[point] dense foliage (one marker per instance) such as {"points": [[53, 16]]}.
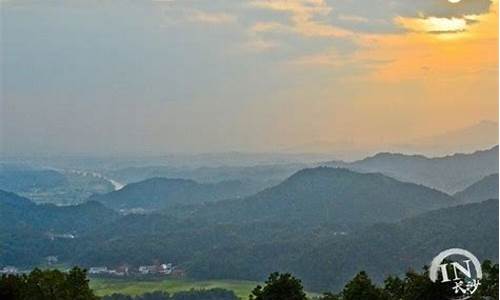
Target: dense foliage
{"points": [[57, 285], [27, 229], [414, 286], [47, 285], [325, 255], [279, 286], [210, 294]]}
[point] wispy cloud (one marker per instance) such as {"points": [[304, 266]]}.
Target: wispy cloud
{"points": [[260, 27], [353, 18], [210, 17], [258, 44], [304, 16]]}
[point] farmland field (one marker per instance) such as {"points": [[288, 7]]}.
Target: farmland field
{"points": [[104, 287]]}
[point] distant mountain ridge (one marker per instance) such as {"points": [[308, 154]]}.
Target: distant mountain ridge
{"points": [[51, 185], [21, 180], [481, 135], [449, 173], [486, 188], [157, 193]]}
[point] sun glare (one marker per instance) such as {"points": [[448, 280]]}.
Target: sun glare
{"points": [[434, 24]]}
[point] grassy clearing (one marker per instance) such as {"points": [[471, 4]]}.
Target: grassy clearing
{"points": [[137, 287]]}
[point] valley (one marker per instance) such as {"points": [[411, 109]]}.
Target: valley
{"points": [[323, 223]]}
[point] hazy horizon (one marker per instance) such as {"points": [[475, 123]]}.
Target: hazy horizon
{"points": [[314, 151]]}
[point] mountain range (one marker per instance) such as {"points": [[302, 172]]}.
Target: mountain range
{"points": [[324, 224], [333, 195], [480, 135], [449, 174]]}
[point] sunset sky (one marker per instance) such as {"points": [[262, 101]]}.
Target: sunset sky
{"points": [[138, 76]]}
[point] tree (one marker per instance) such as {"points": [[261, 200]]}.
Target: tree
{"points": [[361, 287], [420, 287], [77, 284], [11, 286], [280, 287], [414, 286], [47, 285], [394, 288], [489, 282]]}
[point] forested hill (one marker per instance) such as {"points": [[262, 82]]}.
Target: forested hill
{"points": [[331, 195], [29, 232], [18, 179], [486, 188], [157, 193], [326, 262], [16, 212]]}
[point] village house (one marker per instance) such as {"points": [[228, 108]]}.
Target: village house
{"points": [[147, 269], [98, 270], [123, 270], [162, 269]]}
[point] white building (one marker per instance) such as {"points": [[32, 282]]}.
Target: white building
{"points": [[98, 270]]}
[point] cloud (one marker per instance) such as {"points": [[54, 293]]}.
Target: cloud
{"points": [[263, 27], [433, 24], [377, 16], [209, 17], [445, 9], [327, 59], [444, 17], [353, 18], [303, 17], [259, 45]]}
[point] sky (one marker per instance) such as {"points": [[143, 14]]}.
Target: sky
{"points": [[182, 76]]}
